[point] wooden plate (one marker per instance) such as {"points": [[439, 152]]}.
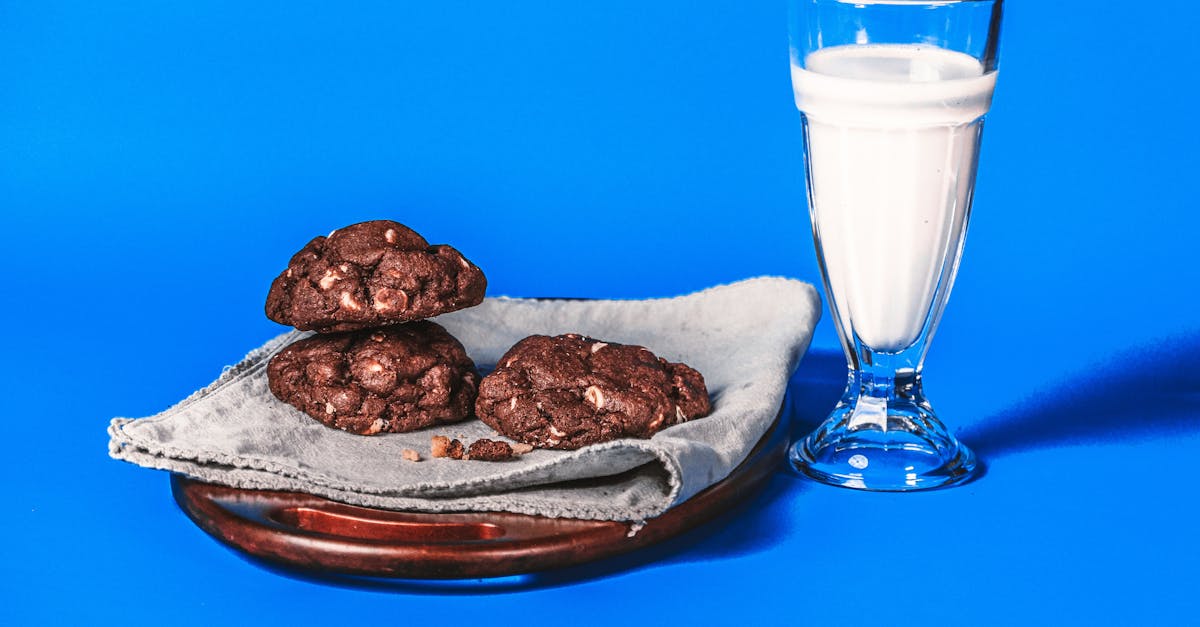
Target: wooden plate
{"points": [[312, 533]]}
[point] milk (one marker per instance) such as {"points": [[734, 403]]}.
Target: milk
{"points": [[892, 133]]}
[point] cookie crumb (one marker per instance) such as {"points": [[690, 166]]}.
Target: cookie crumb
{"points": [[438, 445], [410, 455], [442, 446], [489, 450]]}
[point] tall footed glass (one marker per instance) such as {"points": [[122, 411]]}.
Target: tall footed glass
{"points": [[892, 94]]}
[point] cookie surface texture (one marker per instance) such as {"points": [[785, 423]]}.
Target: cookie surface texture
{"points": [[387, 380], [371, 274], [570, 391]]}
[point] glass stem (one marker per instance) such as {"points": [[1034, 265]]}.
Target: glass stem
{"points": [[882, 380]]}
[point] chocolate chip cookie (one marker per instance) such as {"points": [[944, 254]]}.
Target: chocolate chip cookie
{"points": [[371, 274], [386, 380], [570, 391]]}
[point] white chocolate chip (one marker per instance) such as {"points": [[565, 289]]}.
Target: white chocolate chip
{"points": [[597, 346], [657, 421], [375, 427], [551, 442], [556, 433], [344, 268], [375, 366], [349, 303], [289, 273], [329, 408], [464, 262], [390, 236], [328, 280], [512, 403], [381, 299], [594, 396], [521, 449], [679, 414]]}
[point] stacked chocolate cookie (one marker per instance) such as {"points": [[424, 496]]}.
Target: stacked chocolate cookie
{"points": [[376, 365]]}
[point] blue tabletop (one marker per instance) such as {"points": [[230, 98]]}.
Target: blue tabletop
{"points": [[159, 162]]}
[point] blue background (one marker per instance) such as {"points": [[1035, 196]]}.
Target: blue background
{"points": [[159, 162]]}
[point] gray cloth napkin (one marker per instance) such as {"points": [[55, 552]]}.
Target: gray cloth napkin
{"points": [[745, 338]]}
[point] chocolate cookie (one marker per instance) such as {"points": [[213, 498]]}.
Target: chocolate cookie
{"points": [[570, 391], [371, 274], [386, 380]]}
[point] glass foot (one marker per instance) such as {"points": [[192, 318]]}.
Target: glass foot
{"points": [[885, 447]]}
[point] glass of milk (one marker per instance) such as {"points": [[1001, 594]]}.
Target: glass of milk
{"points": [[892, 95]]}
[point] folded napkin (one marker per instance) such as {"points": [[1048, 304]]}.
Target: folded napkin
{"points": [[745, 338]]}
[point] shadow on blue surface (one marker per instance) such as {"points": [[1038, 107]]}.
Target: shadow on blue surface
{"points": [[814, 389], [1149, 392]]}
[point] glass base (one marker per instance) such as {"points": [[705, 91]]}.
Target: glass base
{"points": [[883, 445]]}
